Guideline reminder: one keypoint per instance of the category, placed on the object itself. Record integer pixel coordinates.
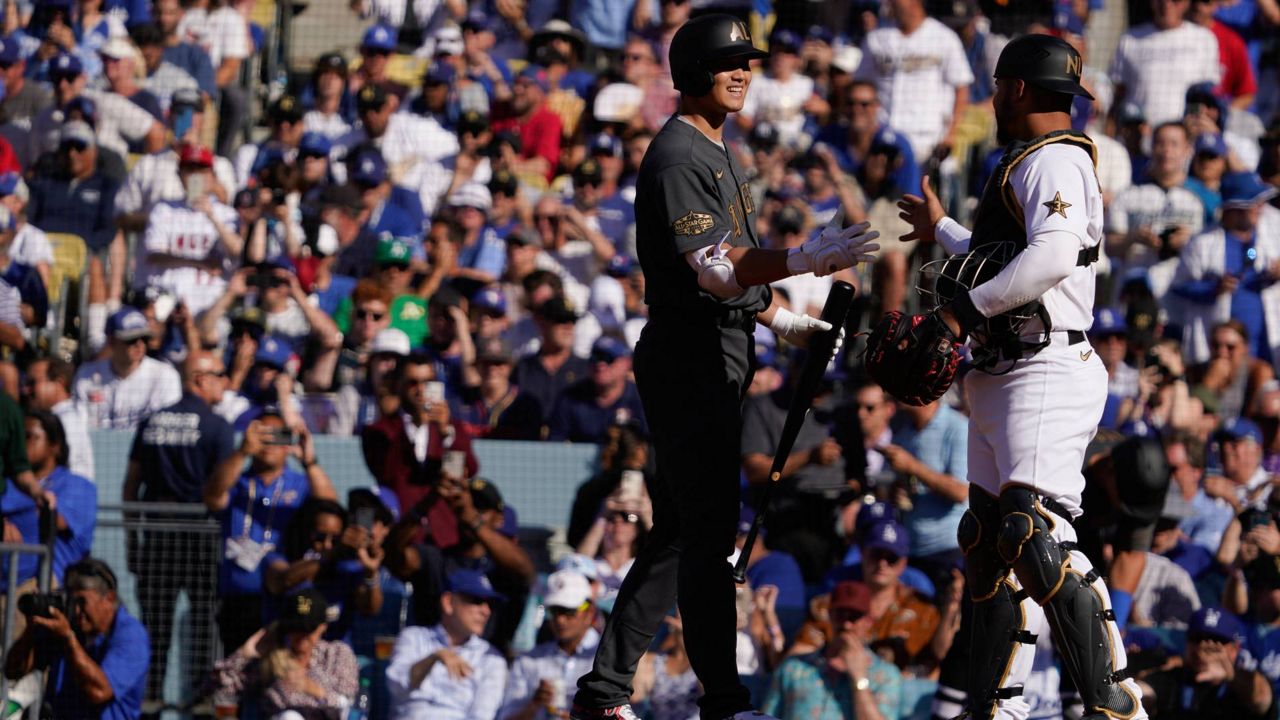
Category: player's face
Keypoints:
(732, 78)
(1004, 106)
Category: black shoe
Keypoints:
(620, 712)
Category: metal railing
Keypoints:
(13, 552)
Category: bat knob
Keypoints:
(739, 577)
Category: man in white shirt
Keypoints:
(404, 139)
(449, 672)
(541, 678)
(121, 389)
(784, 96)
(47, 386)
(1157, 62)
(922, 76)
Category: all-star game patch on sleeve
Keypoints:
(692, 207)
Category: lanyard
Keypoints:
(248, 511)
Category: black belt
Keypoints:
(727, 318)
(1075, 337)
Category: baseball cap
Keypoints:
(1239, 429)
(303, 612)
(588, 171)
(447, 41)
(608, 349)
(392, 251)
(535, 75)
(1204, 94)
(617, 102)
(1215, 623)
(472, 583)
(503, 183)
(1108, 321)
(1130, 113)
(368, 168)
(441, 73)
(764, 135)
(567, 589)
(888, 536)
(247, 315)
(379, 38)
(473, 121)
(885, 141)
(605, 144)
(521, 236)
(785, 41)
(65, 65)
(1244, 190)
(274, 352)
(1211, 144)
(285, 108)
(746, 516)
(314, 143)
(197, 155)
(579, 563)
(341, 196)
(556, 310)
(128, 324)
(371, 97)
(494, 351)
(117, 48)
(331, 61)
(184, 98)
(476, 20)
(385, 505)
(490, 299)
(485, 495)
(821, 33)
(11, 183)
(620, 266)
(472, 195)
(10, 53)
(851, 595)
(77, 131)
(390, 341)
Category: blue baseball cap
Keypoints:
(379, 37)
(609, 349)
(490, 300)
(620, 266)
(536, 75)
(477, 20)
(746, 516)
(1211, 144)
(128, 324)
(65, 65)
(1239, 429)
(441, 73)
(1108, 321)
(11, 183)
(821, 33)
(10, 53)
(1244, 190)
(1215, 623)
(368, 168)
(872, 514)
(85, 106)
(889, 536)
(473, 583)
(273, 351)
(314, 143)
(603, 144)
(784, 40)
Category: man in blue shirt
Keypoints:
(76, 499)
(96, 653)
(584, 411)
(174, 451)
(253, 507)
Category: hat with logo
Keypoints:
(477, 21)
(605, 144)
(556, 310)
(379, 38)
(77, 131)
(785, 41)
(1239, 429)
(472, 195)
(485, 495)
(1108, 321)
(368, 168)
(392, 251)
(579, 563)
(503, 183)
(184, 98)
(1211, 144)
(494, 351)
(567, 589)
(65, 65)
(618, 102)
(536, 76)
(491, 300)
(620, 266)
(371, 97)
(851, 595)
(286, 108)
(587, 172)
(274, 352)
(609, 349)
(1244, 190)
(441, 73)
(1216, 624)
(195, 155)
(746, 516)
(331, 62)
(128, 324)
(315, 144)
(447, 41)
(11, 183)
(523, 237)
(303, 612)
(473, 121)
(390, 341)
(764, 135)
(118, 47)
(472, 583)
(888, 536)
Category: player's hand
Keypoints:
(796, 329)
(835, 249)
(923, 213)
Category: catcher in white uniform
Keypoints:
(1020, 288)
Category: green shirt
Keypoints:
(13, 441)
(408, 314)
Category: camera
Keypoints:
(281, 436)
(1163, 374)
(42, 604)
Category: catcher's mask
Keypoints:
(998, 338)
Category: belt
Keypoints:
(727, 318)
(1075, 337)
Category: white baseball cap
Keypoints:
(618, 102)
(390, 340)
(567, 589)
(118, 48)
(472, 195)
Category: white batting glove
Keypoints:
(834, 250)
(794, 328)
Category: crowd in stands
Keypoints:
(432, 258)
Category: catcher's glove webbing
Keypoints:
(914, 358)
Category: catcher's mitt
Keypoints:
(913, 358)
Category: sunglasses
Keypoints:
(133, 341)
(370, 314)
(75, 145)
(217, 374)
(635, 57)
(601, 359)
(567, 612)
(864, 103)
(319, 537)
(868, 408)
(59, 79)
(553, 219)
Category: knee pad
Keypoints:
(984, 570)
(1080, 624)
(1025, 544)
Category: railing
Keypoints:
(13, 552)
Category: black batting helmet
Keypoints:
(700, 42)
(1045, 61)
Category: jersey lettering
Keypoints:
(748, 205)
(733, 213)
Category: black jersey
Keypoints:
(691, 194)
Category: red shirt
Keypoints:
(8, 161)
(539, 136)
(1237, 73)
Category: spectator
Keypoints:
(1243, 484)
(401, 308)
(160, 77)
(223, 33)
(624, 453)
(76, 507)
(1208, 167)
(1233, 379)
(1208, 684)
(376, 48)
(847, 676)
(616, 536)
(371, 395)
(127, 386)
(584, 410)
(249, 524)
(1168, 539)
(289, 666)
(330, 105)
(534, 124)
(33, 299)
(449, 671)
(784, 96)
(907, 629)
(402, 138)
(641, 67)
(779, 571)
(1156, 62)
(1231, 271)
(585, 222)
(178, 49)
(1238, 82)
(122, 73)
(1109, 335)
(286, 126)
(30, 245)
(96, 656)
(22, 100)
(449, 343)
(495, 407)
(918, 63)
(415, 18)
(553, 366)
(47, 387)
(174, 451)
(1166, 595)
(664, 678)
(542, 682)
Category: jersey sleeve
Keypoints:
(957, 71)
(693, 211)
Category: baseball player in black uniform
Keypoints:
(706, 283)
(1036, 406)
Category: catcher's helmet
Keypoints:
(1044, 61)
(703, 40)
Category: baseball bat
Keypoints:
(821, 347)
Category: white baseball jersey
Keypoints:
(116, 403)
(779, 103)
(1157, 66)
(119, 123)
(917, 76)
(154, 179)
(182, 253)
(75, 423)
(331, 126)
(1149, 205)
(31, 246)
(408, 140)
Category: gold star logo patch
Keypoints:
(1056, 205)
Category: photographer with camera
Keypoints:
(95, 651)
(254, 505)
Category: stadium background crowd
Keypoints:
(428, 240)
